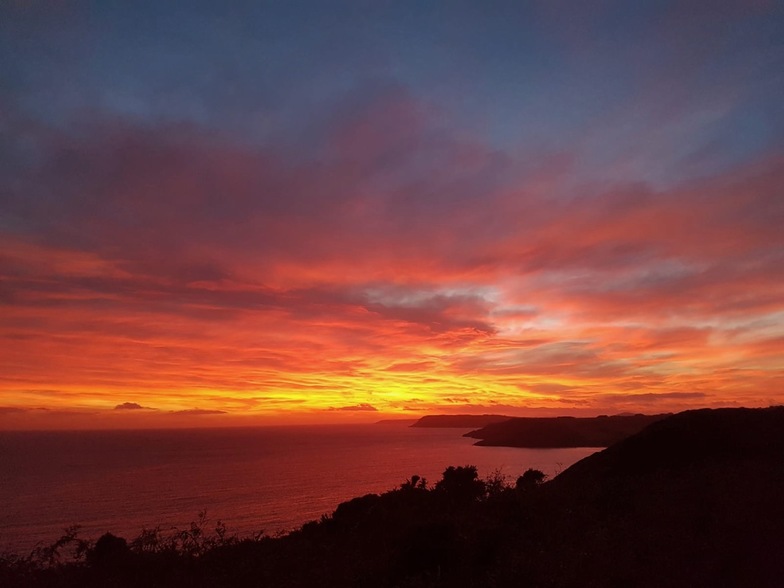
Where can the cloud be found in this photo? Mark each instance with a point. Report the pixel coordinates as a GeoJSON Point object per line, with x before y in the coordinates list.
{"type": "Point", "coordinates": [664, 396]}
{"type": "Point", "coordinates": [13, 409]}
{"type": "Point", "coordinates": [363, 407]}
{"type": "Point", "coordinates": [197, 412]}
{"type": "Point", "coordinates": [131, 406]}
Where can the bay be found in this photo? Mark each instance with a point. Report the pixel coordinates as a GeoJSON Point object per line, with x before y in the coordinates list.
{"type": "Point", "coordinates": [270, 479]}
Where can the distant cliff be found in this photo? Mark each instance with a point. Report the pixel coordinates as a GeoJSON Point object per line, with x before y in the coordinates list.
{"type": "Point", "coordinates": [562, 431]}
{"type": "Point", "coordinates": [459, 421]}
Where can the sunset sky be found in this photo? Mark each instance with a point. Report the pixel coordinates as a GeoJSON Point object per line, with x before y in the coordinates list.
{"type": "Point", "coordinates": [283, 212]}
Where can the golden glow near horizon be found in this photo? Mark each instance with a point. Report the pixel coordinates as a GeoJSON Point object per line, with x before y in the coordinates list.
{"type": "Point", "coordinates": [110, 348]}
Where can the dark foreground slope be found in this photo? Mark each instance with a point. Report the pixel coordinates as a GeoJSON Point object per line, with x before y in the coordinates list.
{"type": "Point", "coordinates": [692, 500]}
{"type": "Point", "coordinates": [562, 431]}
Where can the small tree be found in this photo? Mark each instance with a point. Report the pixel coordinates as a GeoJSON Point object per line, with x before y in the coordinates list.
{"type": "Point", "coordinates": [414, 483]}
{"type": "Point", "coordinates": [530, 479]}
{"type": "Point", "coordinates": [109, 551]}
{"type": "Point", "coordinates": [461, 484]}
{"type": "Point", "coordinates": [495, 484]}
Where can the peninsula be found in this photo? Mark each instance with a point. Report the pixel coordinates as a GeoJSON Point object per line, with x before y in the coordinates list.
{"type": "Point", "coordinates": [541, 433]}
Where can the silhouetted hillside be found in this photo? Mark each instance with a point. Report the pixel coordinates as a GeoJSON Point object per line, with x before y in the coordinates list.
{"type": "Point", "coordinates": [459, 421]}
{"type": "Point", "coordinates": [692, 500]}
{"type": "Point", "coordinates": [689, 439]}
{"type": "Point", "coordinates": [562, 431]}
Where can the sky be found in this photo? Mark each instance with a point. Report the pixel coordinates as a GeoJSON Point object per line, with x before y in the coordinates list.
{"type": "Point", "coordinates": [240, 213]}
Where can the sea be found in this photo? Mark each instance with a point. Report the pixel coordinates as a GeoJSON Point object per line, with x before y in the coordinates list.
{"type": "Point", "coordinates": [264, 479]}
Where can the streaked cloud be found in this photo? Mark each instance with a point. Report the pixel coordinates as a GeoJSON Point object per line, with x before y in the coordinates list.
{"type": "Point", "coordinates": [364, 407]}
{"type": "Point", "coordinates": [197, 412]}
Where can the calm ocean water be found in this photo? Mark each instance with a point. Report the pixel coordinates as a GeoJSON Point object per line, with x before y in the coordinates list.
{"type": "Point", "coordinates": [271, 478]}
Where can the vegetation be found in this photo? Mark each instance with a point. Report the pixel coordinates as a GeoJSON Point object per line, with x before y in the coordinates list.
{"type": "Point", "coordinates": [693, 500]}
{"type": "Point", "coordinates": [415, 533]}
{"type": "Point", "coordinates": [544, 432]}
